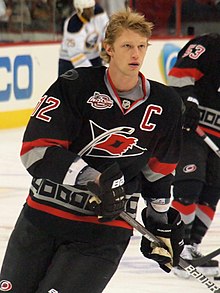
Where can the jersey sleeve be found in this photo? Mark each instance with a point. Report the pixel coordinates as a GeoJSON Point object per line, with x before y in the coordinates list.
{"type": "Point", "coordinates": [165, 159]}
{"type": "Point", "coordinates": [193, 62]}
{"type": "Point", "coordinates": [51, 130]}
{"type": "Point", "coordinates": [76, 52]}
{"type": "Point", "coordinates": [73, 42]}
{"type": "Point", "coordinates": [160, 168]}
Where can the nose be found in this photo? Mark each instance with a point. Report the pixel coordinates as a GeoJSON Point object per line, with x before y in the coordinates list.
{"type": "Point", "coordinates": [135, 52]}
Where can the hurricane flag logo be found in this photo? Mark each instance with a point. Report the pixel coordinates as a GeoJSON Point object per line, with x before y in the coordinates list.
{"type": "Point", "coordinates": [113, 143]}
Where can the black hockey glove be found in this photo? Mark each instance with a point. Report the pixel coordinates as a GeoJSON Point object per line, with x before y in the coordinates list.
{"type": "Point", "coordinates": [191, 115]}
{"type": "Point", "coordinates": [171, 234]}
{"type": "Point", "coordinates": [110, 192]}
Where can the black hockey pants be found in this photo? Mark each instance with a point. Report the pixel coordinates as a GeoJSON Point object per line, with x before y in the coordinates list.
{"type": "Point", "coordinates": [38, 263]}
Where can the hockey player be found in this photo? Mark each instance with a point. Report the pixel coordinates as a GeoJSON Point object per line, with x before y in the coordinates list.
{"type": "Point", "coordinates": [83, 34]}
{"type": "Point", "coordinates": [97, 132]}
{"type": "Point", "coordinates": [196, 76]}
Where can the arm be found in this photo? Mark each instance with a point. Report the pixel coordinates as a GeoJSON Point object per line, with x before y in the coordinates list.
{"type": "Point", "coordinates": [164, 222]}
{"type": "Point", "coordinates": [53, 127]}
{"type": "Point", "coordinates": [75, 48]}
{"type": "Point", "coordinates": [191, 66]}
{"type": "Point", "coordinates": [158, 217]}
{"type": "Point", "coordinates": [74, 38]}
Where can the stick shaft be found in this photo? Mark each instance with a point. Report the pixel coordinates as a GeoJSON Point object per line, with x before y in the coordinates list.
{"type": "Point", "coordinates": [197, 262]}
{"type": "Point", "coordinates": [208, 141]}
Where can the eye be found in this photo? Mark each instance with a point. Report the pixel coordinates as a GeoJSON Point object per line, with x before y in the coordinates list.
{"type": "Point", "coordinates": [127, 46]}
{"type": "Point", "coordinates": [142, 46]}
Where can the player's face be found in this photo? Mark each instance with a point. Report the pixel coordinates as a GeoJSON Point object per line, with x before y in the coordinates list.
{"type": "Point", "coordinates": [128, 52]}
{"type": "Point", "coordinates": [88, 13]}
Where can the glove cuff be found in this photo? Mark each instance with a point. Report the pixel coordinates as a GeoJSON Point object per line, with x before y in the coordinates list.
{"type": "Point", "coordinates": [71, 175]}
{"type": "Point", "coordinates": [162, 229]}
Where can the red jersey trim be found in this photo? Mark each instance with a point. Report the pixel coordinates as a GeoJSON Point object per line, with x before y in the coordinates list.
{"type": "Point", "coordinates": [43, 142]}
{"type": "Point", "coordinates": [117, 96]}
{"type": "Point", "coordinates": [186, 72]}
{"type": "Point", "coordinates": [207, 211]}
{"type": "Point", "coordinates": [185, 210]}
{"type": "Point", "coordinates": [69, 216]}
{"type": "Point", "coordinates": [162, 168]}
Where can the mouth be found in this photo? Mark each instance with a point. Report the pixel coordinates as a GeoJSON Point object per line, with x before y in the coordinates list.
{"type": "Point", "coordinates": [134, 65]}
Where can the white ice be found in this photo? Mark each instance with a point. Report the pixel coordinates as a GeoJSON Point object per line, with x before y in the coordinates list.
{"type": "Point", "coordinates": [135, 274]}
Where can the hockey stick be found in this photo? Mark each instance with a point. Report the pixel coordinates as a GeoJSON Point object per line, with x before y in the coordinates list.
{"type": "Point", "coordinates": [192, 271]}
{"type": "Point", "coordinates": [189, 268]}
{"type": "Point", "coordinates": [208, 141]}
{"type": "Point", "coordinates": [205, 258]}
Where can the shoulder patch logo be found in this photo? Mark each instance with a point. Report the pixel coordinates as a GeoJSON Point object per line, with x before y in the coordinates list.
{"type": "Point", "coordinates": [5, 286]}
{"type": "Point", "coordinates": [71, 74]}
{"type": "Point", "coordinates": [100, 101]}
{"type": "Point", "coordinates": [189, 168]}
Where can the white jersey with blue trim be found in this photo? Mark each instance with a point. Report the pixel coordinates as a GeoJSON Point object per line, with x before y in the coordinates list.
{"type": "Point", "coordinates": [82, 40]}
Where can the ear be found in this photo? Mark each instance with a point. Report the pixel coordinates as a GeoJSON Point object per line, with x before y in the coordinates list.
{"type": "Point", "coordinates": [109, 50]}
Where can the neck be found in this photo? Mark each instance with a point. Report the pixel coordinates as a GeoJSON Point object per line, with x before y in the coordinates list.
{"type": "Point", "coordinates": [122, 82]}
{"type": "Point", "coordinates": [82, 18]}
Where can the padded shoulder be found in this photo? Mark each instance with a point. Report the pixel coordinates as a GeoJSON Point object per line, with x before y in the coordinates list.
{"type": "Point", "coordinates": [98, 9]}
{"type": "Point", "coordinates": [75, 24]}
{"type": "Point", "coordinates": [71, 74]}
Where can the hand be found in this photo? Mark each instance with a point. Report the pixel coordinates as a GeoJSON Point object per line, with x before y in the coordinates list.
{"type": "Point", "coordinates": [191, 116]}
{"type": "Point", "coordinates": [171, 234]}
{"type": "Point", "coordinates": [110, 191]}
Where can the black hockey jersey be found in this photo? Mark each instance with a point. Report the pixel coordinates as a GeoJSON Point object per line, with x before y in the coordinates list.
{"type": "Point", "coordinates": [80, 120]}
{"type": "Point", "coordinates": [196, 73]}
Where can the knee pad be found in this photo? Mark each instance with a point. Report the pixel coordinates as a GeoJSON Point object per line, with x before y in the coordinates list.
{"type": "Point", "coordinates": [187, 192]}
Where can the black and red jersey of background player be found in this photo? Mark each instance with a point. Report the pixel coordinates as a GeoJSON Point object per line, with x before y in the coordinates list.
{"type": "Point", "coordinates": [196, 74]}
{"type": "Point", "coordinates": [82, 115]}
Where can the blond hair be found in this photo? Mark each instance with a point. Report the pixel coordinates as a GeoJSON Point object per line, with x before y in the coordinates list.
{"type": "Point", "coordinates": [123, 20]}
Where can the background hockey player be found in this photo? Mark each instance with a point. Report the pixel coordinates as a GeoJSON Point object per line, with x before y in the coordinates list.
{"type": "Point", "coordinates": [83, 34]}
{"type": "Point", "coordinates": [103, 131]}
{"type": "Point", "coordinates": [196, 76]}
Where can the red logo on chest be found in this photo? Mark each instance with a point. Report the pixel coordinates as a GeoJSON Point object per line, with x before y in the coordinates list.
{"type": "Point", "coordinates": [117, 144]}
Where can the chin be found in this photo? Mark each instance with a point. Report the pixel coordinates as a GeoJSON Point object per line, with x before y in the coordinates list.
{"type": "Point", "coordinates": [135, 69]}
